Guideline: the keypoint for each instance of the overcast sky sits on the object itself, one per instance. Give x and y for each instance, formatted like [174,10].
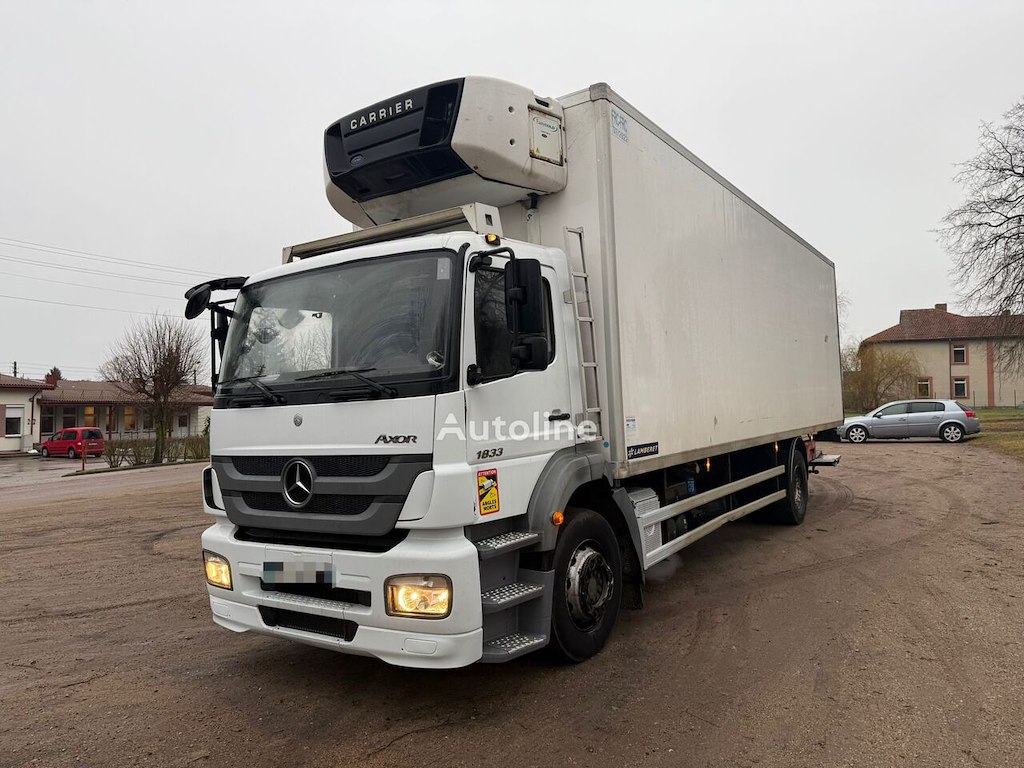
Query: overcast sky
[188,135]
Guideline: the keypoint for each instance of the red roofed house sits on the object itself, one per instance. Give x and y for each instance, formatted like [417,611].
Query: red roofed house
[961,357]
[20,408]
[118,413]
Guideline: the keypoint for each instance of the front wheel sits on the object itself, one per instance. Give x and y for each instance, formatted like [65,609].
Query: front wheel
[45,453]
[857,434]
[588,585]
[952,433]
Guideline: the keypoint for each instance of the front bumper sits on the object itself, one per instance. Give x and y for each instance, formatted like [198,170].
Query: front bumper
[454,641]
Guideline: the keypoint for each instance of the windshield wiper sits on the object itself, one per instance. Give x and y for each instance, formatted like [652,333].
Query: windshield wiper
[268,393]
[356,373]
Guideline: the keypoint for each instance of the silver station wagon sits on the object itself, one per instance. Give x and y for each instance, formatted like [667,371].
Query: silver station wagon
[944,419]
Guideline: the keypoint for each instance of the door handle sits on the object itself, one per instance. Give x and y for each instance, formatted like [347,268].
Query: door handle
[556,416]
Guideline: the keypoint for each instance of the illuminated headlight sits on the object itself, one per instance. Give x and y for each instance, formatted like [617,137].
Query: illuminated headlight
[426,596]
[218,570]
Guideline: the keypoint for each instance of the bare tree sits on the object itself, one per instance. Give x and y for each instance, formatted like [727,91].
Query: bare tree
[155,358]
[985,234]
[874,374]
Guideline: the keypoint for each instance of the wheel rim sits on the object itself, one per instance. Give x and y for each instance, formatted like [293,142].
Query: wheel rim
[800,492]
[952,434]
[857,435]
[589,584]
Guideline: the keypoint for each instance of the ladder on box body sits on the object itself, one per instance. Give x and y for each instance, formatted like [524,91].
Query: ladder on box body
[586,343]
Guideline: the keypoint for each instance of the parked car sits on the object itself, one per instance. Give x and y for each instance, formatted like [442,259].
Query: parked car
[947,420]
[73,442]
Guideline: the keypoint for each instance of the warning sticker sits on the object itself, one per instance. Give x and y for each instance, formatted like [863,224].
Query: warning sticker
[487,490]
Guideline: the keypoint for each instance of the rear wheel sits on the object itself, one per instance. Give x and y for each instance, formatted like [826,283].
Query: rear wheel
[952,433]
[588,586]
[856,434]
[71,453]
[793,509]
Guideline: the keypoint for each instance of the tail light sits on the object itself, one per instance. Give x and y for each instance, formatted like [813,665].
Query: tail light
[970,414]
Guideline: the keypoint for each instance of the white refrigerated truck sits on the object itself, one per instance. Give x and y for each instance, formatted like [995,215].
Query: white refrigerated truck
[557,349]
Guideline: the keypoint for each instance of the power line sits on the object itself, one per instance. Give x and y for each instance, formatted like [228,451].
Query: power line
[80,306]
[66,268]
[36,364]
[34,367]
[98,257]
[46,368]
[91,287]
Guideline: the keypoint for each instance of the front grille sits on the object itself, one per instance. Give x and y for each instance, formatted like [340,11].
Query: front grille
[358,495]
[321,591]
[324,466]
[322,504]
[308,622]
[324,540]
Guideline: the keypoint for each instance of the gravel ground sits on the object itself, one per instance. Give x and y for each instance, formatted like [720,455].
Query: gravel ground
[885,631]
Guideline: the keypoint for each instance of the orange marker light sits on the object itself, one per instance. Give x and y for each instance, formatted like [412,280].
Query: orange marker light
[707,465]
[557,518]
[492,239]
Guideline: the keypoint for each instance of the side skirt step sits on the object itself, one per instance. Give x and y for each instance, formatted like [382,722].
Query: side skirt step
[510,646]
[506,596]
[504,543]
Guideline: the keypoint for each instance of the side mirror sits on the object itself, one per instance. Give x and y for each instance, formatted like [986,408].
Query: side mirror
[198,299]
[524,296]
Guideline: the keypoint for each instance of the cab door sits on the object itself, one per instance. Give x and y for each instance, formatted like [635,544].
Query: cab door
[515,415]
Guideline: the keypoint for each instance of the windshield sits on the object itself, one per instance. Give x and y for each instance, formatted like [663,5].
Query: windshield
[386,318]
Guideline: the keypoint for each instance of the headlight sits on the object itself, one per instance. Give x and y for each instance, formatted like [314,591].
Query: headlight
[218,570]
[423,596]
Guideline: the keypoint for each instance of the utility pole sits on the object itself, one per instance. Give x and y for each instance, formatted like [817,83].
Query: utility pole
[15,369]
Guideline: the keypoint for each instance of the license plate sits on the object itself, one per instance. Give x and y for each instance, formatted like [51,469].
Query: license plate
[298,572]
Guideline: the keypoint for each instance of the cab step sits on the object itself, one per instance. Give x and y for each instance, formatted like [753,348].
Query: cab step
[506,542]
[507,595]
[510,646]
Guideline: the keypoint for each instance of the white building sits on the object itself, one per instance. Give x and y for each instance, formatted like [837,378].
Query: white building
[20,412]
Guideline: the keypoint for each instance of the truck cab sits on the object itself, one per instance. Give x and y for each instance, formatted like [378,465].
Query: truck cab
[369,410]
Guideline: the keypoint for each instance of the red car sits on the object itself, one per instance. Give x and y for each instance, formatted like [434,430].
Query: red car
[74,442]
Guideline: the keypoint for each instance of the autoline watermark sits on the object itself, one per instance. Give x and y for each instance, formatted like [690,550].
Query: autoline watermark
[540,427]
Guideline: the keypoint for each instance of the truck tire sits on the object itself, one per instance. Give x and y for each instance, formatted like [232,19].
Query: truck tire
[792,509]
[588,586]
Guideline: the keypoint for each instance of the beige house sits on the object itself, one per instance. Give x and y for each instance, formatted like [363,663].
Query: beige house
[961,357]
[20,409]
[119,413]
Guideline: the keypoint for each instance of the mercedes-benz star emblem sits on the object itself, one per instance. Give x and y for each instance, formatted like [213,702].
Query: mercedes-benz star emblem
[297,483]
[297,419]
